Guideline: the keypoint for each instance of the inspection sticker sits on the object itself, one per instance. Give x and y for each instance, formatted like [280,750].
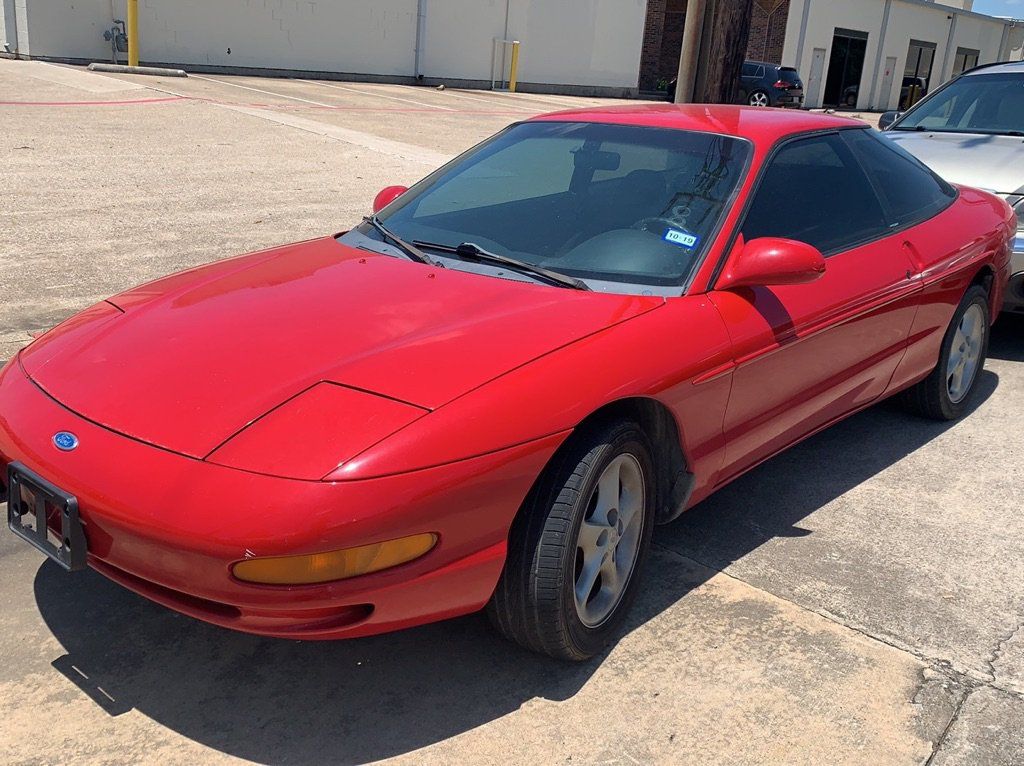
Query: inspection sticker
[681,238]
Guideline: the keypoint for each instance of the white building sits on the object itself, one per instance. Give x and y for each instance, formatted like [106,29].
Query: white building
[866,53]
[846,50]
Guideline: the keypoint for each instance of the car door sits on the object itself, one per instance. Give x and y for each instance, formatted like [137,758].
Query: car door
[748,79]
[805,355]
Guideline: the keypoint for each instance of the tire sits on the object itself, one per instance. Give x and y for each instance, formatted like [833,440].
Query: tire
[535,603]
[759,98]
[936,396]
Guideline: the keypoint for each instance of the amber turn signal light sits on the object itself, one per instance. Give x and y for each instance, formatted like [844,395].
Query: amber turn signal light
[334,565]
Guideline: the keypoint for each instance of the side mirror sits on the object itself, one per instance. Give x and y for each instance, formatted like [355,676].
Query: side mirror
[771,261]
[386,196]
[888,119]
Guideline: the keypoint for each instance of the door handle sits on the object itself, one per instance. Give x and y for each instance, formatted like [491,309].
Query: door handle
[915,258]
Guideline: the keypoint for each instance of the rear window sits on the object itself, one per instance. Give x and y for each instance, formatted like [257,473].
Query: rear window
[788,74]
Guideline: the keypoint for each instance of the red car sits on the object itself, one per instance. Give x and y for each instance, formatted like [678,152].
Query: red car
[490,391]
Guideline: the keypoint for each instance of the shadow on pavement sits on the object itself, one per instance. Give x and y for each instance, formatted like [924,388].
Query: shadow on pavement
[1007,342]
[278,701]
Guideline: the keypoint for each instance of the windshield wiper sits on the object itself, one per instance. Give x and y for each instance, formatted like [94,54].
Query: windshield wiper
[471,251]
[413,252]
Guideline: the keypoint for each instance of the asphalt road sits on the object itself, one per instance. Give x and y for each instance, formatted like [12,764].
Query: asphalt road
[856,600]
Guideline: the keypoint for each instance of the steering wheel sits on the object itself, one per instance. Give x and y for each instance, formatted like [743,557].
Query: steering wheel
[646,224]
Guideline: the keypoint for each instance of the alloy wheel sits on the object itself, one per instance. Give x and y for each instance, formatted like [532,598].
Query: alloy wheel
[759,99]
[965,353]
[609,540]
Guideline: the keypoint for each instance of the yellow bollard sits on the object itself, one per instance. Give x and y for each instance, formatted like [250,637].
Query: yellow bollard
[514,69]
[133,32]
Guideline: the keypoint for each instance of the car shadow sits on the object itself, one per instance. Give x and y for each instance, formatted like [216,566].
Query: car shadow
[1007,341]
[279,701]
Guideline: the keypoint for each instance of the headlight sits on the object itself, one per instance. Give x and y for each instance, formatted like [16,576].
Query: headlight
[333,565]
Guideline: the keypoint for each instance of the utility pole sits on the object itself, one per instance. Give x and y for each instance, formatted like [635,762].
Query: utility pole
[714,47]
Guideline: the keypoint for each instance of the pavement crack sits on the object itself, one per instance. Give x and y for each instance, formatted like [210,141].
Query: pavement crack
[941,740]
[1000,647]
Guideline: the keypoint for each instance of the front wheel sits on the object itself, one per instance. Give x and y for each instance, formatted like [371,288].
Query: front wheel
[577,546]
[946,393]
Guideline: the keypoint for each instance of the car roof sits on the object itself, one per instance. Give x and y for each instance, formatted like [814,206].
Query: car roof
[761,126]
[1002,67]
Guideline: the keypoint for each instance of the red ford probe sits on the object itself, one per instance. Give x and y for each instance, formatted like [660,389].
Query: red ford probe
[489,392]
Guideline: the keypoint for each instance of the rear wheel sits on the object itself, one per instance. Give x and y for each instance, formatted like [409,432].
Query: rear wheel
[946,393]
[577,546]
[759,98]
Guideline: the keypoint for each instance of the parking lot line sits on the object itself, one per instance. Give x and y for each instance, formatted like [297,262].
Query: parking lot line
[259,90]
[371,94]
[492,101]
[369,141]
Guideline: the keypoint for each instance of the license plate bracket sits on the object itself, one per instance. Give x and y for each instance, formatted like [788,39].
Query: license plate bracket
[30,501]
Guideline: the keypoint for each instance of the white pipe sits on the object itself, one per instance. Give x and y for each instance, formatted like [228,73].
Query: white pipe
[421,26]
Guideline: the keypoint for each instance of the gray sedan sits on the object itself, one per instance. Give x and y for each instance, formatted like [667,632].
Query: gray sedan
[971,132]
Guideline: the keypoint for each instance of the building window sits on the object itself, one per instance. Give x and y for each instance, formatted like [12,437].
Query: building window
[966,58]
[845,67]
[917,72]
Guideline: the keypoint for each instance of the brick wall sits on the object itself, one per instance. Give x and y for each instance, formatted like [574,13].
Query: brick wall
[663,39]
[650,55]
[768,30]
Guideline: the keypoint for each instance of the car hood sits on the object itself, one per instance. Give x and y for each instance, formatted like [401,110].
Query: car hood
[994,163]
[188,361]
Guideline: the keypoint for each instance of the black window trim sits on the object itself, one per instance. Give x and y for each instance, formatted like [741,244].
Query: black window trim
[762,171]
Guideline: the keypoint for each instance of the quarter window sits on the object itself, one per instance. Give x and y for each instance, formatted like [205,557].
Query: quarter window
[911,192]
[815,191]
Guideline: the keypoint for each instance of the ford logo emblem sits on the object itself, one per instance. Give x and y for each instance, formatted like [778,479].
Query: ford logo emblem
[65,440]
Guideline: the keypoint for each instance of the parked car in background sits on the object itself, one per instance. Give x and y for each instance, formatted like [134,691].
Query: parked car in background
[969,131]
[763,84]
[488,392]
[912,90]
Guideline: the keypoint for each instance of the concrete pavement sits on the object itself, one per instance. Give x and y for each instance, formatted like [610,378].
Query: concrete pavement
[855,600]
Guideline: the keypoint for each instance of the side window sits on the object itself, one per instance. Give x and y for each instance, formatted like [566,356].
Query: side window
[911,192]
[814,191]
[749,70]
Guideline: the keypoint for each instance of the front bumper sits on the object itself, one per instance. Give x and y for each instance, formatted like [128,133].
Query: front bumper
[169,527]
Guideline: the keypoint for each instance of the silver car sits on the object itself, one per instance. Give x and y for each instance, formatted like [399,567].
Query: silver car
[971,132]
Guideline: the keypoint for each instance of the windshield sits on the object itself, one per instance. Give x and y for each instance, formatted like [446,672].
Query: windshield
[980,103]
[609,203]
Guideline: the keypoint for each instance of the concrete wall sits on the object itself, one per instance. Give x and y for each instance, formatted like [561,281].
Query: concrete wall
[574,42]
[812,24]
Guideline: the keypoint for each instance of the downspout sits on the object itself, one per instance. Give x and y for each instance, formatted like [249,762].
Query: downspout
[947,61]
[802,40]
[421,26]
[881,52]
[11,27]
[504,48]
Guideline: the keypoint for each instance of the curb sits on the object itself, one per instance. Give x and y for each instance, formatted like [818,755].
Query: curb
[151,70]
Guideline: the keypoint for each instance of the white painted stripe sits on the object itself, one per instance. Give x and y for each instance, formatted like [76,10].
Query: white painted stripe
[374,94]
[369,141]
[259,90]
[492,101]
[79,79]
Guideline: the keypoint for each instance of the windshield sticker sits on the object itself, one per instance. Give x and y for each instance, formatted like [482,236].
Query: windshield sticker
[684,238]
